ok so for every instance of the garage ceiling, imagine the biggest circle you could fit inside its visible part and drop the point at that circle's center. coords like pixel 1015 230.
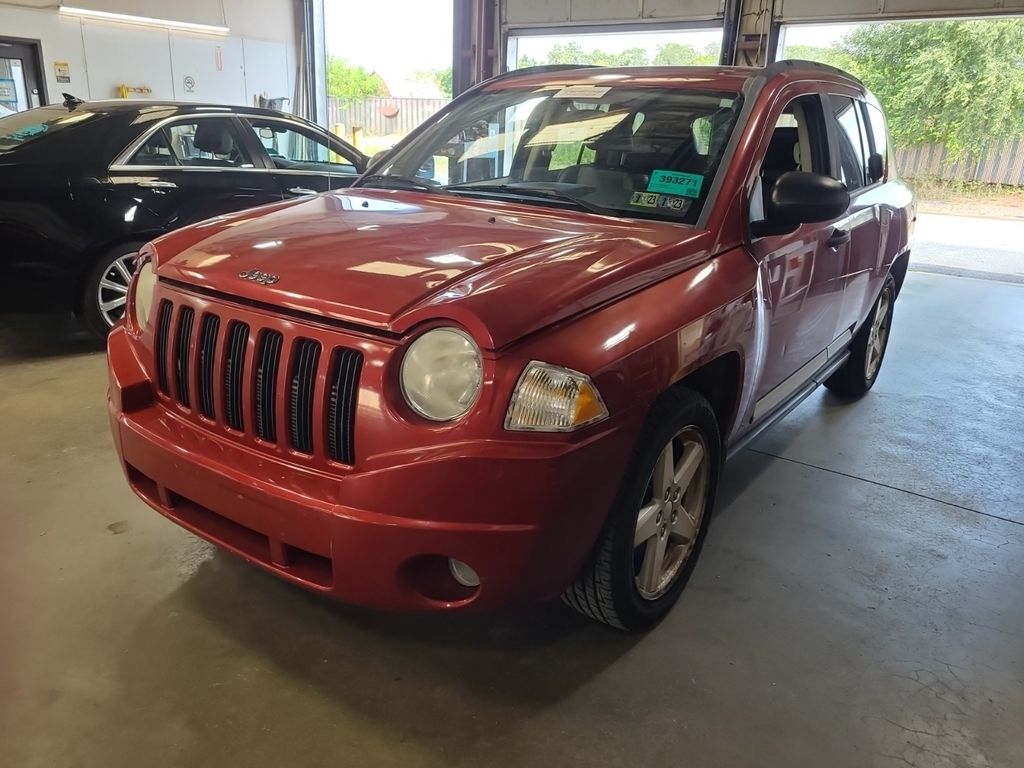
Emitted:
pixel 525 13
pixel 534 13
pixel 865 10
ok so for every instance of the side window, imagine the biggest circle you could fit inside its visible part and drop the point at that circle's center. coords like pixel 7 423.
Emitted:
pixel 203 143
pixel 851 137
pixel 156 151
pixel 293 150
pixel 799 142
pixel 880 141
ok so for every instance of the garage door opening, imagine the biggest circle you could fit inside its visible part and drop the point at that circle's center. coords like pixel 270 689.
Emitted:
pixel 953 91
pixel 389 67
pixel 616 49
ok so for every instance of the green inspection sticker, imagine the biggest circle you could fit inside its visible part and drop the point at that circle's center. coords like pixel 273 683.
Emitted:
pixel 676 183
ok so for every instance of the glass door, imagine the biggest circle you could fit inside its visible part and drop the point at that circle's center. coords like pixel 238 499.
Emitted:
pixel 20 80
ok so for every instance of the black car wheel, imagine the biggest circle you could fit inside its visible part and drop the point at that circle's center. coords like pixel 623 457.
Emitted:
pixel 858 374
pixel 105 294
pixel 655 530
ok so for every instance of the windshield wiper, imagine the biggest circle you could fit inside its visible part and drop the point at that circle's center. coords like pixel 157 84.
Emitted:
pixel 544 193
pixel 402 182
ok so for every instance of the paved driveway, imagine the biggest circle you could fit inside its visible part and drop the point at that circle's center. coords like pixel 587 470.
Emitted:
pixel 971 246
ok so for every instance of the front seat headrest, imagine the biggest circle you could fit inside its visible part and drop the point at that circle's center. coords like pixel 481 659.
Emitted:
pixel 214 137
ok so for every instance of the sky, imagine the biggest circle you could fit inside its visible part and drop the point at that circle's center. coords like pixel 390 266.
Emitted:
pixel 821 35
pixel 394 38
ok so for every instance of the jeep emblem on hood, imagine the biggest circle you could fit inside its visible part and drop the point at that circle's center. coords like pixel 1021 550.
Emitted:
pixel 263 278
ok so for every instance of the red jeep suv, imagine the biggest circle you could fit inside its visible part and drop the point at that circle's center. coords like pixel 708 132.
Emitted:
pixel 509 362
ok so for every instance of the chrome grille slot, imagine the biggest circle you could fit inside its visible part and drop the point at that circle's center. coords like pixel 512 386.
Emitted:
pixel 207 354
pixel 234 363
pixel 305 357
pixel 268 360
pixel 344 386
pixel 182 355
pixel 163 331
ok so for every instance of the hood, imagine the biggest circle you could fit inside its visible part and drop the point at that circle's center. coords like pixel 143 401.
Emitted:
pixel 390 259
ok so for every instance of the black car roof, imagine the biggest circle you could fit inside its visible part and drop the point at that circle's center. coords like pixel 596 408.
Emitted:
pixel 163 109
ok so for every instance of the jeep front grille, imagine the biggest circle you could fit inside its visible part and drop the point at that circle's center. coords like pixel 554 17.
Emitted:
pixel 240 375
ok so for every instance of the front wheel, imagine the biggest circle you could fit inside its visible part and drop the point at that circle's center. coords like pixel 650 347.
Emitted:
pixel 105 293
pixel 858 374
pixel 650 543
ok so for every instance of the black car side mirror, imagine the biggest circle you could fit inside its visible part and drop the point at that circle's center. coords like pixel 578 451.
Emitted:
pixel 798 197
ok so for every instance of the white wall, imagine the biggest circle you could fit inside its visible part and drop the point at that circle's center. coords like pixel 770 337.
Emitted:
pixel 256 57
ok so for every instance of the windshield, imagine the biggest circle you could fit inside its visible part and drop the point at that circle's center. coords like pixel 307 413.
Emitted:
pixel 638 152
pixel 23 127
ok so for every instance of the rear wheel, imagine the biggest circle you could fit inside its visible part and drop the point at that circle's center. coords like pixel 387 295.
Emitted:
pixel 105 294
pixel 654 533
pixel 858 374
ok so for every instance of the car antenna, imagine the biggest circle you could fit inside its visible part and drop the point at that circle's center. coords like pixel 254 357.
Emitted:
pixel 71 101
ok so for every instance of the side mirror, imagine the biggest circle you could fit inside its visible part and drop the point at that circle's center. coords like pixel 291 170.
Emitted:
pixel 876 167
pixel 798 197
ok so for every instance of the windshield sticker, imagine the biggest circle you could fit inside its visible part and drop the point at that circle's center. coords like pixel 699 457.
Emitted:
pixel 582 92
pixel 644 199
pixel 676 183
pixel 654 200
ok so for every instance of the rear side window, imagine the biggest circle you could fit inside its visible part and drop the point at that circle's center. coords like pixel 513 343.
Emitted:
pixel 852 142
pixel 203 143
pixel 879 138
pixel 23 128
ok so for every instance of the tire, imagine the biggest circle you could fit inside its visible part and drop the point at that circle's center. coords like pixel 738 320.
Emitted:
pixel 106 286
pixel 859 373
pixel 620 584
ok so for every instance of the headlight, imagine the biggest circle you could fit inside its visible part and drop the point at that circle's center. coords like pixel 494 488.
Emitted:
pixel 441 374
pixel 144 288
pixel 553 399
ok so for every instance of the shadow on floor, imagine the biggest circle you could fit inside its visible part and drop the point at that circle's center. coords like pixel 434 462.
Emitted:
pixel 436 680
pixel 33 337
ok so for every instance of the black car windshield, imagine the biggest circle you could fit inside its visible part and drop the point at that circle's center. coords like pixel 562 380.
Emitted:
pixel 630 151
pixel 22 128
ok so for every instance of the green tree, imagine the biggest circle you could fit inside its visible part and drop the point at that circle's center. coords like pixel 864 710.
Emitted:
pixel 683 55
pixel 958 83
pixel 443 78
pixel 836 56
pixel 352 83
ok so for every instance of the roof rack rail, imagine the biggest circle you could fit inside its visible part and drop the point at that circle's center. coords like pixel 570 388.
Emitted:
pixel 783 64
pixel 536 70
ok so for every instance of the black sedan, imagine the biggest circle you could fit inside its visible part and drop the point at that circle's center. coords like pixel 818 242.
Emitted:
pixel 83 185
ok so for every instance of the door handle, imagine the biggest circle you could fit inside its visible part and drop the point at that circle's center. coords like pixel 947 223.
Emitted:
pixel 838 237
pixel 302 191
pixel 158 184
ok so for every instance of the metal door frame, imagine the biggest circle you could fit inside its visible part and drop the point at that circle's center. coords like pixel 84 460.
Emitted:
pixel 36 49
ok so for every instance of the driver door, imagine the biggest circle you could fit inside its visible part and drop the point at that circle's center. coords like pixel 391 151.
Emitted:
pixel 802 272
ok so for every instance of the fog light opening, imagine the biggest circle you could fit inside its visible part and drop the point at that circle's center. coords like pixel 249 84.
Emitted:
pixel 463 574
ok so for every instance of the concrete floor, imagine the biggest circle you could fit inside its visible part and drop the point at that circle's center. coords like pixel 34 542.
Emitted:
pixel 860 601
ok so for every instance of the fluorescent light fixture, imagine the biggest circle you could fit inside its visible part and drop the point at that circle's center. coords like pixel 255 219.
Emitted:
pixel 145 21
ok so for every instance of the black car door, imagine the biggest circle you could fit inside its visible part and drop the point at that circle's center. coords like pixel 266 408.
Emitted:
pixel 306 160
pixel 188 169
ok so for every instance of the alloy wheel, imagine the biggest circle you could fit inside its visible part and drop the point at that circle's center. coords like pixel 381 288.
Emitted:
pixel 878 337
pixel 671 513
pixel 112 292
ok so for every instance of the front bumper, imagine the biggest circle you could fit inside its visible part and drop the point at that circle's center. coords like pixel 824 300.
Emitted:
pixel 524 513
